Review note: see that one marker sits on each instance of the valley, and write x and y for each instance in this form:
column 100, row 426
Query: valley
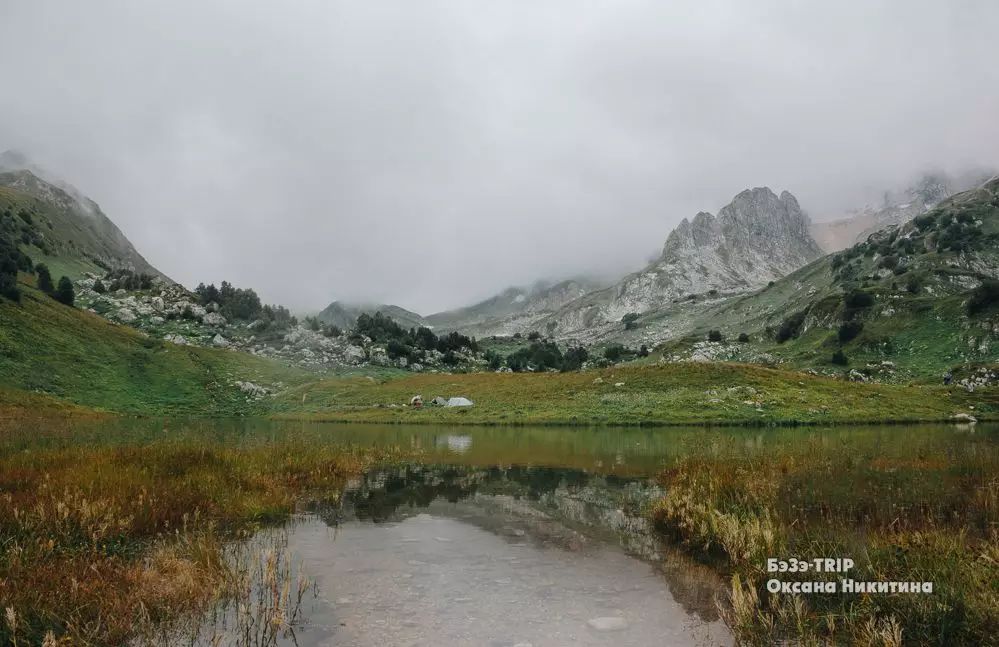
column 168, row 453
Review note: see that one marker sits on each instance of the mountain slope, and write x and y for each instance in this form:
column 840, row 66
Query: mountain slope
column 74, row 355
column 899, row 301
column 514, row 310
column 896, row 208
column 344, row 315
column 71, row 233
column 757, row 238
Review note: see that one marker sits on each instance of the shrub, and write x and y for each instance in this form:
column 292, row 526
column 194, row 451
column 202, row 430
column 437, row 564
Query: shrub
column 743, row 338
column 643, row 351
column 791, row 327
column 396, row 349
column 715, row 335
column 534, row 336
column 840, row 358
column 99, row 287
column 574, row 359
column 541, row 355
column 44, row 279
column 64, row 291
column 494, row 359
column 983, row 297
column 858, row 299
column 8, row 287
column 889, row 262
column 849, row 331
column 630, row 321
column 914, row 284
column 614, row 352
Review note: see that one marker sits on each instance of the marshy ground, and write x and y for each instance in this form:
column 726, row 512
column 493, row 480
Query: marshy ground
column 112, row 527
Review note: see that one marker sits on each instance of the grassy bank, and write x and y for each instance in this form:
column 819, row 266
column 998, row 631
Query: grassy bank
column 49, row 349
column 692, row 393
column 100, row 542
column 925, row 509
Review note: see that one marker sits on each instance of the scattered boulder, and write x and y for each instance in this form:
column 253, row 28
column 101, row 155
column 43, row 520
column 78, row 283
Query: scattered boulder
column 253, row 389
column 213, row 319
column 221, row 342
column 125, row 315
column 157, row 304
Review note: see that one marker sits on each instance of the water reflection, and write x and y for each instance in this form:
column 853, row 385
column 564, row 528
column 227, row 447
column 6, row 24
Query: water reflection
column 504, row 556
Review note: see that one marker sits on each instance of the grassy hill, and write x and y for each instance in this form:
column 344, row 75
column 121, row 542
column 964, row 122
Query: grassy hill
column 68, row 233
column 900, row 297
column 53, row 350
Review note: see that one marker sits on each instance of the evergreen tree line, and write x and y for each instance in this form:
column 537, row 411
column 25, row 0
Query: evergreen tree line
column 125, row 279
column 412, row 344
column 12, row 259
column 545, row 355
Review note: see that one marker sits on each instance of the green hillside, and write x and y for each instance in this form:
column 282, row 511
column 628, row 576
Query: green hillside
column 916, row 299
column 51, row 349
column 69, row 234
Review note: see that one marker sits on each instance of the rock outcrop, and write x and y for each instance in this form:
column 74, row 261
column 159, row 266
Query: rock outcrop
column 757, row 238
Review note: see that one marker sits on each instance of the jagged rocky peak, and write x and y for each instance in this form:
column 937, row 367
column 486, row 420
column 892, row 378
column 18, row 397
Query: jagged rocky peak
column 756, row 218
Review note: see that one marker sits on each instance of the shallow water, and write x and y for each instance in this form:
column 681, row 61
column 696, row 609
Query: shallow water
column 472, row 574
column 503, row 537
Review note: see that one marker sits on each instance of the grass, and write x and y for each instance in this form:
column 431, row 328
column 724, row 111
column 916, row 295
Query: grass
column 926, row 509
column 52, row 350
column 692, row 393
column 98, row 541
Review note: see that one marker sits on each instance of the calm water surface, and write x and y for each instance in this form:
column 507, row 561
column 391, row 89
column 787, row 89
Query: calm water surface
column 511, row 537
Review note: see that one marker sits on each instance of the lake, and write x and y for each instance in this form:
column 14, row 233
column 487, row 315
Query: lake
column 542, row 536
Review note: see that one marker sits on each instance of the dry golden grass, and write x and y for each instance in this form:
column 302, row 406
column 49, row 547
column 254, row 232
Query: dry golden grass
column 914, row 512
column 99, row 543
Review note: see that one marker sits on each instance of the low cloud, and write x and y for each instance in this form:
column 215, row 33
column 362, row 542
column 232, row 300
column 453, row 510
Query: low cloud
column 429, row 154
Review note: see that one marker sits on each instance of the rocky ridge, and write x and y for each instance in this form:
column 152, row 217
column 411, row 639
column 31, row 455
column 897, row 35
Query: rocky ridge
column 516, row 309
column 759, row 237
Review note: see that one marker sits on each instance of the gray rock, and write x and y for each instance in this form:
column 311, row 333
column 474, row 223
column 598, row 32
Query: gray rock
column 213, row 319
column 253, row 389
column 221, row 342
column 353, row 354
column 157, row 321
column 157, row 304
column 125, row 315
column 608, row 624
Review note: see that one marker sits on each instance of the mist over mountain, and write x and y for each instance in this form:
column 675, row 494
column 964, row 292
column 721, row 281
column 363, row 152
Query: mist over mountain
column 432, row 155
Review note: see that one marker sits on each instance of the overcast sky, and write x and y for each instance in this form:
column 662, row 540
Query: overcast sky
column 432, row 152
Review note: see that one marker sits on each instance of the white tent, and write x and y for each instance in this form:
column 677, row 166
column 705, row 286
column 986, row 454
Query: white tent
column 458, row 402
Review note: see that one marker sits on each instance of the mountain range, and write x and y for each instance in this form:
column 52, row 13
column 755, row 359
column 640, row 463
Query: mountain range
column 751, row 270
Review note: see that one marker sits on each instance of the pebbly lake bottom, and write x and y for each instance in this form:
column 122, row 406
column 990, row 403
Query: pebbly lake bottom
column 442, row 578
